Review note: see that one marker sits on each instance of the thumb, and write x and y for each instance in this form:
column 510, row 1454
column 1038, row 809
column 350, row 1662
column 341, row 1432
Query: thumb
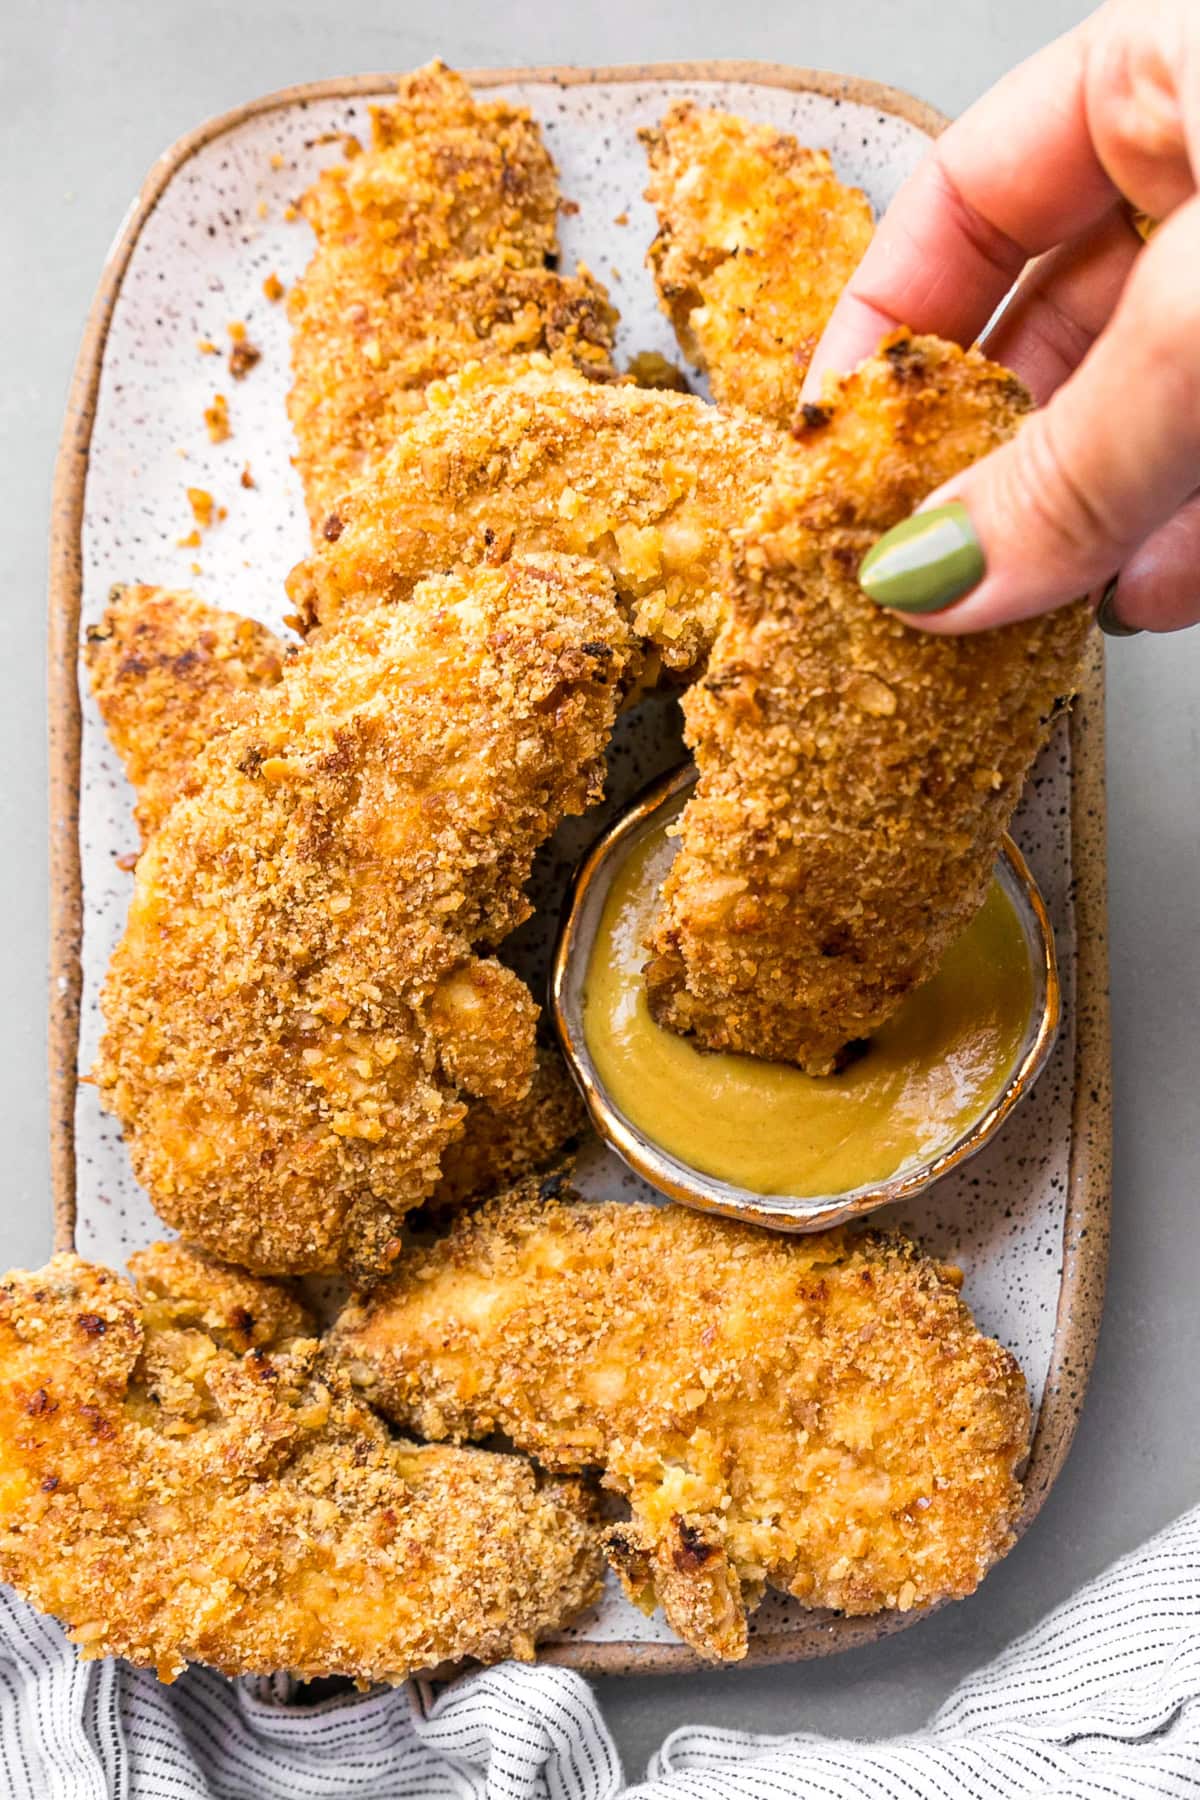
column 1055, row 512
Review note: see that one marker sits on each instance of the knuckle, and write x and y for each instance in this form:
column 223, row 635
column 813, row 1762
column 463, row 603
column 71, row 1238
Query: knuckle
column 1131, row 86
column 993, row 247
column 1160, row 321
column 1157, row 278
column 1062, row 341
column 1046, row 497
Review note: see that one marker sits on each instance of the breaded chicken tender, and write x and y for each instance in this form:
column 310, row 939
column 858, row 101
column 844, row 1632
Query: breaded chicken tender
column 170, row 673
column 185, row 1478
column 435, row 247
column 818, row 1414
column 501, row 1146
column 756, row 239
column 297, row 1012
column 856, row 775
column 650, row 483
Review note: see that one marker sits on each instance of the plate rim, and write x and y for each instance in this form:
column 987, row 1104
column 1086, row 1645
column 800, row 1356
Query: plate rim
column 1086, row 1223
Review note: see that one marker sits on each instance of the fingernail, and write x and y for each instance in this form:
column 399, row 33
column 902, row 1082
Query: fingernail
column 1106, row 613
column 926, row 563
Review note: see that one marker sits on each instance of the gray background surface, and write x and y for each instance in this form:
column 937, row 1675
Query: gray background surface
column 89, row 94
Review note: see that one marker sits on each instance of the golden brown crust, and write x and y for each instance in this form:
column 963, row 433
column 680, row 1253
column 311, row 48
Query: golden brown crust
column 756, row 239
column 819, row 1413
column 297, row 1009
column 856, row 774
column 170, row 674
column 182, row 1288
column 435, row 248
column 534, row 458
column 173, row 1497
column 500, row 1147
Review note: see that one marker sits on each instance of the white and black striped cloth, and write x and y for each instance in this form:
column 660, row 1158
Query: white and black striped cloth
column 1101, row 1700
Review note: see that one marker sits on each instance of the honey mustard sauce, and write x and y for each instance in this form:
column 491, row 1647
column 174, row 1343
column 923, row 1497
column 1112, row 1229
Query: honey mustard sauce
column 927, row 1076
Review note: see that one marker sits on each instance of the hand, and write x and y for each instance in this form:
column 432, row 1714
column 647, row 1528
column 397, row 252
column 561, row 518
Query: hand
column 1104, row 330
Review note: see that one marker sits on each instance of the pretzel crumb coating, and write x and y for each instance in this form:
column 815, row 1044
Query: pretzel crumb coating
column 757, row 237
column 501, row 1146
column 184, row 1477
column 856, row 774
column 298, row 1010
column 435, row 247
column 508, row 461
column 169, row 674
column 816, row 1413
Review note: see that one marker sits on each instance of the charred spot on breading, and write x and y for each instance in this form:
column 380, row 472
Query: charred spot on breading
column 693, row 1549
column 811, row 417
column 906, row 357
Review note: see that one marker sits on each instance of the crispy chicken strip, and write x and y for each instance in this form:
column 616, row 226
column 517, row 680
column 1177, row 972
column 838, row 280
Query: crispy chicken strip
column 501, row 1146
column 435, row 247
column 296, row 1011
column 856, row 774
column 170, row 674
column 650, row 483
column 819, row 1414
column 185, row 1478
column 756, row 239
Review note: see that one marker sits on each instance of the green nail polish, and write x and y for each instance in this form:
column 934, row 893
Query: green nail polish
column 926, row 563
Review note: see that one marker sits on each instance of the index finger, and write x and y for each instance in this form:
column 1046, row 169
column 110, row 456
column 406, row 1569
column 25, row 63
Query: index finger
column 1017, row 174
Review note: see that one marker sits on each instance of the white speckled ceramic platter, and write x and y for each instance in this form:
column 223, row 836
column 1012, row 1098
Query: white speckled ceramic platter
column 1026, row 1219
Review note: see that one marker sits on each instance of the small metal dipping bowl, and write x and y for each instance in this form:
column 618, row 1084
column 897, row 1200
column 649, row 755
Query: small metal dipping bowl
column 584, row 908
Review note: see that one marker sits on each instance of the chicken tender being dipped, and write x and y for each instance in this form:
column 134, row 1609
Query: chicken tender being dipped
column 756, row 239
column 650, row 483
column 184, row 1477
column 297, row 1014
column 856, row 774
column 436, row 247
column 170, row 673
column 816, row 1414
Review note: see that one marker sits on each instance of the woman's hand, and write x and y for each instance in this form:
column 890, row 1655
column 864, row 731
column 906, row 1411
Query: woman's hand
column 1104, row 329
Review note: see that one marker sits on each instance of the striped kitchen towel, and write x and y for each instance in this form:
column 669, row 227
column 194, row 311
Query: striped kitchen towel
column 1101, row 1701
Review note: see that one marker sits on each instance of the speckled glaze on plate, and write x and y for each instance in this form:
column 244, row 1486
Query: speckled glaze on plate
column 1028, row 1218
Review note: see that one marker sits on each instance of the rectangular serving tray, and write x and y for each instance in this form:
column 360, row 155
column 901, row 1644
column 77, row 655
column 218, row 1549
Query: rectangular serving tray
column 1002, row 1221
